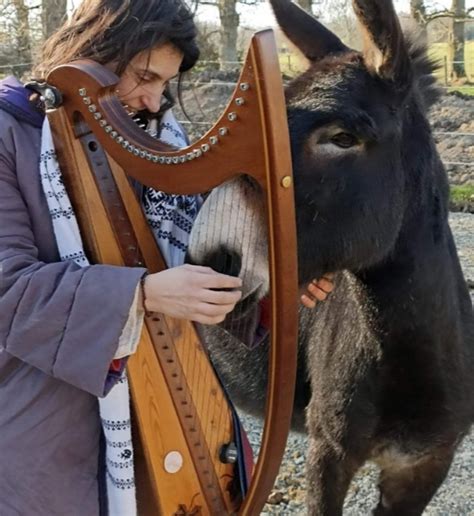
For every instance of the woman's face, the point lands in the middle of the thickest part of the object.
(146, 76)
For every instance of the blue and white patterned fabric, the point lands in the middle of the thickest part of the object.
(171, 217)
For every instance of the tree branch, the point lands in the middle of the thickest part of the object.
(449, 14)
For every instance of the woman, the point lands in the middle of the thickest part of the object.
(62, 325)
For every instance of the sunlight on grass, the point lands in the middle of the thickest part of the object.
(440, 53)
(462, 193)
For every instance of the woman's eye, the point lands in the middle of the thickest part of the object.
(142, 76)
(344, 140)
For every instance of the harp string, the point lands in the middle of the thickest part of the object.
(253, 238)
(217, 236)
(233, 221)
(248, 257)
(198, 394)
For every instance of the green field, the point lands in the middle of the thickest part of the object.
(440, 52)
(291, 64)
(465, 90)
(462, 193)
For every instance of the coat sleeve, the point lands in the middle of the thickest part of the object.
(57, 317)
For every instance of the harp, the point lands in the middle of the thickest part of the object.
(100, 149)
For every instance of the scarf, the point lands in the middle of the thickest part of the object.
(171, 218)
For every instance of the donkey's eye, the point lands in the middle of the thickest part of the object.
(344, 140)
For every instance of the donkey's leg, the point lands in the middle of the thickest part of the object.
(407, 490)
(329, 472)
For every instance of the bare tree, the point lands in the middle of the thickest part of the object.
(418, 11)
(339, 17)
(229, 18)
(456, 39)
(53, 14)
(458, 15)
(229, 27)
(208, 43)
(22, 29)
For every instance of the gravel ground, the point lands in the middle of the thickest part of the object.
(455, 113)
(456, 495)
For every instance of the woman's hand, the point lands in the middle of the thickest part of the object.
(317, 290)
(189, 292)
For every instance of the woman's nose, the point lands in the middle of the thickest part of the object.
(152, 101)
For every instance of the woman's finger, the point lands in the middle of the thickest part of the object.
(219, 297)
(216, 280)
(316, 292)
(307, 301)
(204, 319)
(324, 284)
(329, 276)
(212, 310)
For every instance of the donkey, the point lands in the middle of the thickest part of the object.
(386, 369)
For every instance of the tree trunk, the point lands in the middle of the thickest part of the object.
(418, 11)
(456, 38)
(53, 14)
(229, 28)
(22, 26)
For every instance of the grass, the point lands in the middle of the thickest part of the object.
(291, 63)
(465, 90)
(462, 193)
(440, 53)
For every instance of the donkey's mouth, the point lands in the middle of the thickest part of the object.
(249, 322)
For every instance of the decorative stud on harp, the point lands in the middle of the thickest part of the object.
(188, 446)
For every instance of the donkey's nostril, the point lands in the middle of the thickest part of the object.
(222, 260)
(225, 261)
(232, 263)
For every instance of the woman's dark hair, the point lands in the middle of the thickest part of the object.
(114, 31)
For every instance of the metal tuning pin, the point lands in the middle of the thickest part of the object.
(228, 453)
(52, 98)
(49, 95)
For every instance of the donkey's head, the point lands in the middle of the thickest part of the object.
(359, 138)
(353, 118)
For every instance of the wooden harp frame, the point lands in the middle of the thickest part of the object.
(251, 137)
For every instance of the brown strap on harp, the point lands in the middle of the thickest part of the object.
(251, 137)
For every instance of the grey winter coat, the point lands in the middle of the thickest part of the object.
(59, 329)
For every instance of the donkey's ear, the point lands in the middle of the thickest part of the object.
(385, 51)
(305, 32)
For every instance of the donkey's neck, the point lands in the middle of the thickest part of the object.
(415, 278)
(419, 282)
